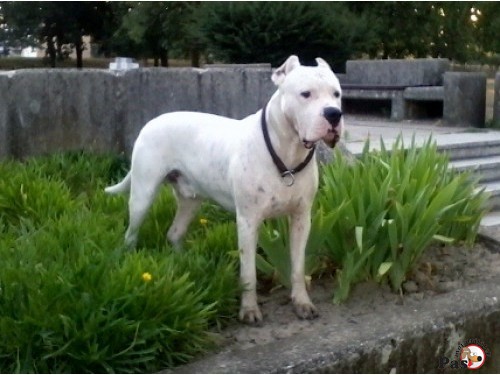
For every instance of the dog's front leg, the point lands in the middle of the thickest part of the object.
(300, 225)
(247, 243)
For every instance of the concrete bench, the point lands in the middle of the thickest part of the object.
(392, 93)
(416, 88)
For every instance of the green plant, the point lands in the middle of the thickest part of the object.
(249, 32)
(374, 219)
(73, 300)
(407, 198)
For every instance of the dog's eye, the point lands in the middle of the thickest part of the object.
(336, 94)
(305, 94)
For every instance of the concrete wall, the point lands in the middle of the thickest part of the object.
(428, 72)
(48, 110)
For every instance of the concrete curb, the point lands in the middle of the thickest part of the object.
(409, 338)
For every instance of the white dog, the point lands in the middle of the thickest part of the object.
(258, 167)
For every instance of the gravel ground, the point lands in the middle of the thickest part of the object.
(442, 269)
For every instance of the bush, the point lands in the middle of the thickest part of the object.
(71, 298)
(250, 32)
(374, 219)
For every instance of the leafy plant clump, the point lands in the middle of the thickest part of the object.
(72, 299)
(374, 219)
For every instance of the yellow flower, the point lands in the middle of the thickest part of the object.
(146, 277)
(203, 221)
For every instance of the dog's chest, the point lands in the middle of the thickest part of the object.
(270, 196)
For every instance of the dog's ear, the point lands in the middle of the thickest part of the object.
(322, 63)
(279, 74)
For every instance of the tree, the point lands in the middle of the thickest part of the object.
(422, 29)
(486, 20)
(55, 24)
(456, 37)
(399, 29)
(154, 26)
(244, 32)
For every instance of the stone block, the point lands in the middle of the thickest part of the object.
(426, 93)
(402, 72)
(150, 92)
(464, 99)
(235, 93)
(5, 136)
(50, 110)
(496, 101)
(55, 110)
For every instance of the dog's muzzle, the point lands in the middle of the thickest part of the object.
(333, 115)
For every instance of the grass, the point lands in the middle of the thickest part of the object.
(72, 299)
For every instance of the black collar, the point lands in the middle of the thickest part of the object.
(285, 172)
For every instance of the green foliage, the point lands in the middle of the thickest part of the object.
(374, 219)
(73, 300)
(153, 28)
(55, 24)
(246, 32)
(408, 198)
(241, 32)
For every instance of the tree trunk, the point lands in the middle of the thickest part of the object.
(79, 52)
(51, 51)
(164, 58)
(59, 44)
(195, 57)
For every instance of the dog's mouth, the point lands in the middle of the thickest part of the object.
(331, 139)
(308, 144)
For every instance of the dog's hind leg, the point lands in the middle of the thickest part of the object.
(186, 210)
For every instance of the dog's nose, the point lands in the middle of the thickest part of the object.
(333, 115)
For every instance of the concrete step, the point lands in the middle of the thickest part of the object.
(493, 188)
(491, 219)
(486, 168)
(482, 156)
(472, 148)
(459, 146)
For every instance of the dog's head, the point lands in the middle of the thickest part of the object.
(310, 98)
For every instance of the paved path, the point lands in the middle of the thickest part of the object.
(359, 129)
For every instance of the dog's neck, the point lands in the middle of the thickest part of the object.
(284, 137)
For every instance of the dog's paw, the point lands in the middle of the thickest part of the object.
(305, 310)
(251, 315)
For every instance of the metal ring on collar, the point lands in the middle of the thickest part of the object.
(288, 178)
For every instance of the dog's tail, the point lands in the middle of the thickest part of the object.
(121, 187)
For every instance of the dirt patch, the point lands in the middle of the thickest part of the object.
(442, 269)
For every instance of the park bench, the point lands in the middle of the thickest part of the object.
(415, 88)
